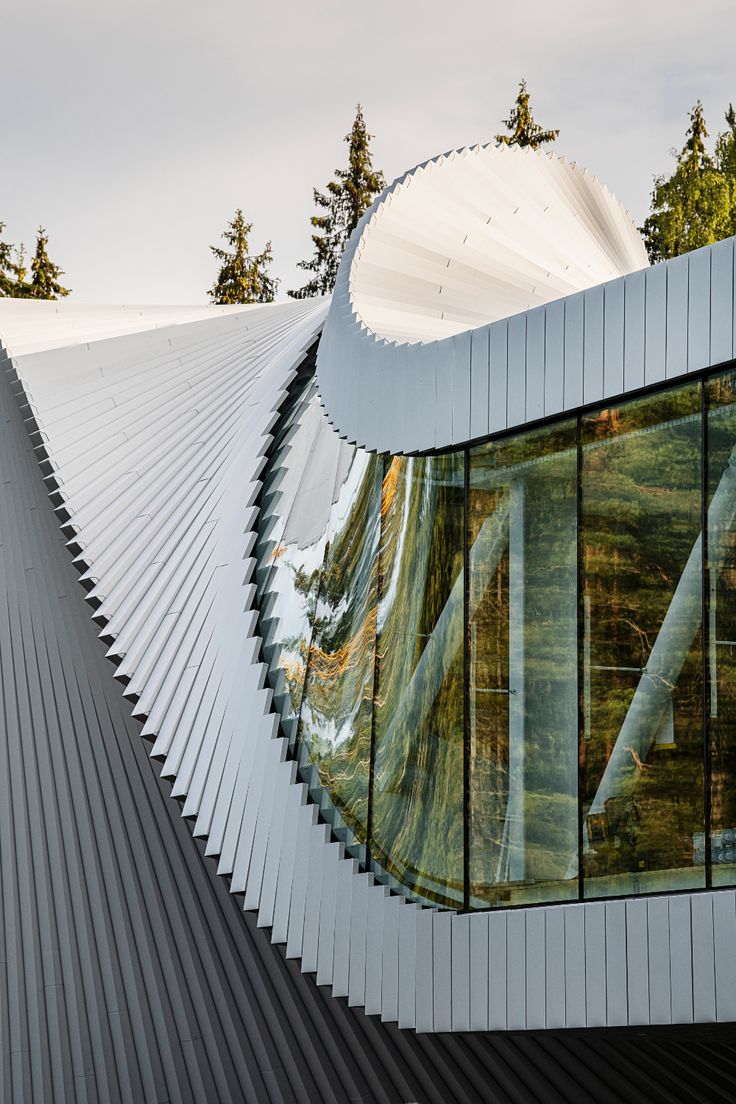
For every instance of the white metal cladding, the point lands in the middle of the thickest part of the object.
(600, 342)
(156, 442)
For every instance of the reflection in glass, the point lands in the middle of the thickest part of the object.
(642, 738)
(418, 775)
(721, 635)
(522, 503)
(362, 594)
(308, 463)
(336, 713)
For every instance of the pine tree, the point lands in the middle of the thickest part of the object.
(360, 182)
(44, 273)
(21, 289)
(524, 130)
(696, 205)
(342, 205)
(242, 278)
(12, 272)
(328, 243)
(726, 146)
(7, 268)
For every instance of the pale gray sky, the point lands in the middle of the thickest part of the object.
(133, 129)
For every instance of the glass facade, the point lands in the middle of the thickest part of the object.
(337, 704)
(417, 814)
(508, 672)
(522, 642)
(641, 580)
(720, 624)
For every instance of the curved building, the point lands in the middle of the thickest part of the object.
(420, 599)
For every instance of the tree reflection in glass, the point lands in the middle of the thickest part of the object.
(418, 775)
(721, 604)
(642, 738)
(335, 720)
(522, 637)
(307, 462)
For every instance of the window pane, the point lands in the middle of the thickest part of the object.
(642, 742)
(335, 722)
(307, 471)
(721, 597)
(418, 776)
(523, 668)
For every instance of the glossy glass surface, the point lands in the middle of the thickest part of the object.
(493, 665)
(642, 693)
(298, 495)
(336, 712)
(522, 638)
(417, 815)
(721, 624)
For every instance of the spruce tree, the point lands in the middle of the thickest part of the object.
(21, 289)
(12, 272)
(695, 206)
(524, 131)
(341, 207)
(726, 146)
(7, 268)
(242, 278)
(360, 182)
(328, 242)
(44, 273)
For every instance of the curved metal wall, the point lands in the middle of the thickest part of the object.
(606, 340)
(129, 973)
(153, 447)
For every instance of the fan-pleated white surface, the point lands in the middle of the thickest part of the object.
(154, 443)
(464, 240)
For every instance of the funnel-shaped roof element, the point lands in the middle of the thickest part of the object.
(462, 241)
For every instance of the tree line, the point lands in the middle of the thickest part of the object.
(694, 205)
(45, 275)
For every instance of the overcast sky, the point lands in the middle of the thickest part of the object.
(133, 129)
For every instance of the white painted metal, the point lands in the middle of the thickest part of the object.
(465, 239)
(155, 423)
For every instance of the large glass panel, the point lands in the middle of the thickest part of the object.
(642, 738)
(418, 776)
(362, 595)
(307, 470)
(336, 713)
(522, 636)
(721, 635)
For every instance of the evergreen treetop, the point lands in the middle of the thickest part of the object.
(328, 243)
(44, 273)
(726, 146)
(7, 268)
(360, 182)
(340, 207)
(696, 205)
(242, 278)
(22, 289)
(524, 130)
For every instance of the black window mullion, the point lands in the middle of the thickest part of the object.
(705, 630)
(581, 650)
(466, 683)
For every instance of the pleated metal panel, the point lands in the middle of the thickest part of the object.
(475, 236)
(162, 521)
(128, 970)
(600, 342)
